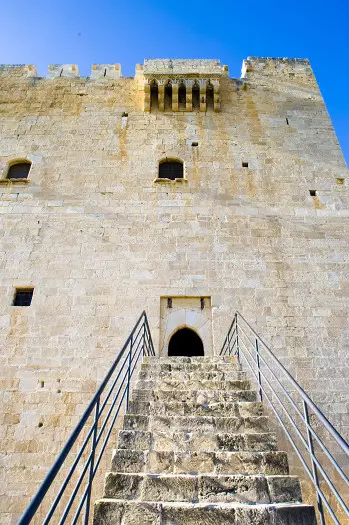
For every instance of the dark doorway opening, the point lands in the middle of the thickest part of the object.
(186, 343)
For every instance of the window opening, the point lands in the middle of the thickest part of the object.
(245, 164)
(171, 169)
(287, 122)
(20, 170)
(168, 97)
(169, 302)
(154, 96)
(185, 342)
(23, 297)
(194, 144)
(196, 97)
(313, 193)
(182, 97)
(209, 97)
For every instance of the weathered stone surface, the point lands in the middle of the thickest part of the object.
(100, 239)
(243, 489)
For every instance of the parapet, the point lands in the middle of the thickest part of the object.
(198, 71)
(184, 67)
(270, 67)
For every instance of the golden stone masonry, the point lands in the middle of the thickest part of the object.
(182, 192)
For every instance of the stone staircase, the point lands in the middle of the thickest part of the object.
(196, 449)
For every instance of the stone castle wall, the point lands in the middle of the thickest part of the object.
(100, 240)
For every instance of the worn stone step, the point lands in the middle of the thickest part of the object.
(154, 373)
(197, 441)
(209, 488)
(180, 408)
(115, 512)
(193, 396)
(192, 384)
(203, 367)
(234, 424)
(217, 462)
(183, 360)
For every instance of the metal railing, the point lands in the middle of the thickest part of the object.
(302, 421)
(72, 502)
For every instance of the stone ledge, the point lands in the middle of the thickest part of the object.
(170, 181)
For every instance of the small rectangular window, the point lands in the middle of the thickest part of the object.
(23, 297)
(313, 193)
(245, 164)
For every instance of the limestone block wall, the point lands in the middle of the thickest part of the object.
(100, 241)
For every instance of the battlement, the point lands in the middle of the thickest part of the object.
(172, 68)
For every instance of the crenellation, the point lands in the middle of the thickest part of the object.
(106, 71)
(63, 70)
(18, 70)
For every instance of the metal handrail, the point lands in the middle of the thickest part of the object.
(138, 344)
(267, 370)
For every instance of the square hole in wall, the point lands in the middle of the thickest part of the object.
(313, 193)
(23, 296)
(245, 164)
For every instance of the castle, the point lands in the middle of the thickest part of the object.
(180, 191)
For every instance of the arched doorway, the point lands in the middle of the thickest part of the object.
(185, 342)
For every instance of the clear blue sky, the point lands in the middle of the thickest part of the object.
(105, 31)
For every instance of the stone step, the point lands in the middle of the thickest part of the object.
(151, 372)
(209, 488)
(181, 360)
(206, 367)
(137, 461)
(193, 396)
(180, 408)
(248, 425)
(197, 441)
(113, 512)
(191, 384)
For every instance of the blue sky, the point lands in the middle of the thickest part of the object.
(85, 32)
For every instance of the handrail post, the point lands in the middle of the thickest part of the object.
(313, 466)
(144, 342)
(92, 463)
(129, 373)
(259, 373)
(237, 336)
